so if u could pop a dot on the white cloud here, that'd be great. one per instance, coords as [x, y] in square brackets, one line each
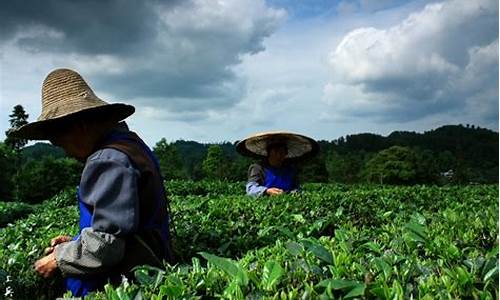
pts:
[416, 67]
[479, 83]
[221, 70]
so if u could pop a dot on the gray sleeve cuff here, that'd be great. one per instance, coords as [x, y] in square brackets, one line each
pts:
[93, 252]
[255, 190]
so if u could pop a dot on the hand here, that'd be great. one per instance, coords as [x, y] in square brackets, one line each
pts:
[274, 191]
[56, 241]
[59, 240]
[47, 265]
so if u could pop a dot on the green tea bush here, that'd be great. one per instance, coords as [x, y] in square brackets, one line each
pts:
[231, 225]
[24, 242]
[203, 187]
[328, 242]
[11, 211]
[336, 243]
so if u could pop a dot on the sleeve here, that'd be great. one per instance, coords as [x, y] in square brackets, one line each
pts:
[254, 186]
[109, 185]
[93, 252]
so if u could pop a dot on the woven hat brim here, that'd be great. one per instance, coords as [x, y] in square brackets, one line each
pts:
[45, 129]
[299, 146]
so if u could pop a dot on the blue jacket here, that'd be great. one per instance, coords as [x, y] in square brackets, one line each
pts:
[263, 176]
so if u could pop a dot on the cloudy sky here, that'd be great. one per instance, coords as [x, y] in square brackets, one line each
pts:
[219, 70]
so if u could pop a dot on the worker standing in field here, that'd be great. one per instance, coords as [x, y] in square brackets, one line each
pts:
[124, 218]
[277, 152]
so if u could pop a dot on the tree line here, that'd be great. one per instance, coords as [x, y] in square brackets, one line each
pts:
[452, 154]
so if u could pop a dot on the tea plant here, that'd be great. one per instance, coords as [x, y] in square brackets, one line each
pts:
[24, 242]
[328, 242]
[12, 211]
[331, 243]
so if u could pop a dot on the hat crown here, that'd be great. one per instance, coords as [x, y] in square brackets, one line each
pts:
[298, 146]
[65, 91]
[67, 97]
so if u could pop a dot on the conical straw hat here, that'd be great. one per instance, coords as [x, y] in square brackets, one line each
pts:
[299, 146]
[66, 96]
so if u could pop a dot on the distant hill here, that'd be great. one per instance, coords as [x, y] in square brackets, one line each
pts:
[454, 138]
[468, 147]
[39, 150]
[471, 148]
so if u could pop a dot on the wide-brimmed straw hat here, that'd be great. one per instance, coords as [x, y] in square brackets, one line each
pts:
[65, 97]
[299, 146]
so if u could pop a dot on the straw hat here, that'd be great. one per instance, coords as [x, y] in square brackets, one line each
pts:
[66, 96]
[299, 146]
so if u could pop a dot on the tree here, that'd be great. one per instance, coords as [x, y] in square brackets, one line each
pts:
[427, 168]
[7, 165]
[395, 165]
[17, 119]
[170, 162]
[43, 178]
[343, 168]
[445, 161]
[335, 166]
[215, 164]
[239, 168]
[313, 170]
[192, 154]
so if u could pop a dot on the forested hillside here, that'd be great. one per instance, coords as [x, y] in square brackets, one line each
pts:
[447, 155]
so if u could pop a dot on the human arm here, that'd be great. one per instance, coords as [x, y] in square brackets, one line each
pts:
[254, 185]
[47, 265]
[93, 252]
[56, 241]
[109, 187]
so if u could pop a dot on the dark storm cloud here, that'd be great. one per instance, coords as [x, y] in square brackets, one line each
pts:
[165, 83]
[90, 27]
[177, 54]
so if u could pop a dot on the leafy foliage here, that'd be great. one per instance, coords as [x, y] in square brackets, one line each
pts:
[470, 152]
[41, 179]
[394, 165]
[331, 241]
[24, 241]
[447, 155]
[214, 165]
[7, 167]
[203, 188]
[17, 119]
[40, 150]
[12, 211]
[170, 161]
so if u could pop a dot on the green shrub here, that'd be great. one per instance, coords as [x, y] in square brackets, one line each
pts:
[330, 241]
[8, 158]
[23, 243]
[11, 211]
[42, 179]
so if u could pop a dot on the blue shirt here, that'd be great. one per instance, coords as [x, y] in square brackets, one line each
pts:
[260, 178]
